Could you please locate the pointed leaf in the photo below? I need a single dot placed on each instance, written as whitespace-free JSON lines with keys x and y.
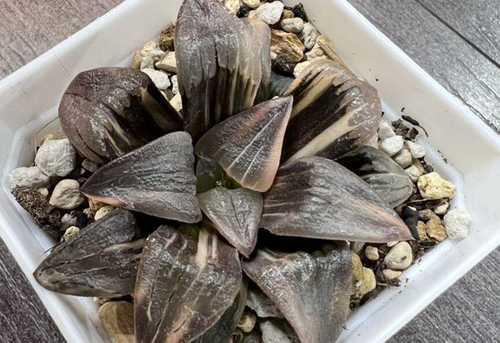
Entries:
{"x":105,"y":113}
{"x":221,"y":62}
{"x":318,"y":198}
{"x":248,"y":145}
{"x":156,"y":179}
{"x":101,"y":261}
{"x":312,"y":291}
{"x":235,"y":213}
{"x":184,"y":285}
{"x":334,"y":112}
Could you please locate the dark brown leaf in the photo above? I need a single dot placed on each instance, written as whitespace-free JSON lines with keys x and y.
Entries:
{"x":107,"y":112}
{"x":100,"y":262}
{"x":312,"y":291}
{"x":248,"y":145}
{"x":318,"y":198}
{"x":334,"y":112}
{"x":156,"y":179}
{"x":235,"y":213}
{"x":185,"y":283}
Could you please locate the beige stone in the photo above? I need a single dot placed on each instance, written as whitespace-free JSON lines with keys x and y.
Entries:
{"x":433,"y":186}
{"x":168,"y":63}
{"x":287,"y":46}
{"x":371,"y":253}
{"x":247,"y":322}
{"x":400,"y":257}
{"x":391,"y":275}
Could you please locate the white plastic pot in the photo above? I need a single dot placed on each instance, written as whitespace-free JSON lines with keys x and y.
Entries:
{"x":30,"y":96}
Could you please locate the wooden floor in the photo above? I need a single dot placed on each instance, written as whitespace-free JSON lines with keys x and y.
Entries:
{"x":457,"y":42}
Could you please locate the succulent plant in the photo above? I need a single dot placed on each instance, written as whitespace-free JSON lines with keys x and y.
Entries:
{"x":256,"y":215}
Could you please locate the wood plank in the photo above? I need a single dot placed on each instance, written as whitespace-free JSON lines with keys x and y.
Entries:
{"x":467,"y":313}
{"x":28,"y":28}
{"x":477,"y":21}
{"x":23,"y":318}
{"x":458,"y":66}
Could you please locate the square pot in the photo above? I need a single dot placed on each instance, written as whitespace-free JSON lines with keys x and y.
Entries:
{"x":30,"y":96}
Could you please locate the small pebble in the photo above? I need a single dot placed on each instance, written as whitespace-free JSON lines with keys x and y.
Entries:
{"x":56,"y":157}
{"x":435,"y":229}
{"x":357,"y":246}
{"x":27,"y":177}
{"x":270,"y":12}
{"x":385,"y":130}
{"x":89,"y":165}
{"x":403,"y":158}
{"x":315,"y":53}
{"x":426,"y":214}
{"x":369,"y":282}
{"x":70,"y":233}
{"x":103,"y":211}
{"x":176,"y":102}
{"x":159,"y":78}
{"x":88,"y":212}
{"x":300,"y":67}
{"x":287,"y":46}
{"x":357,"y":268}
{"x":136,"y":60}
{"x":147,"y":62}
{"x":287,"y":14}
{"x":416,"y":150}
{"x":166,"y":41}
{"x":43,"y":191}
{"x":294,"y":25}
{"x":117,"y":318}
{"x":175,"y":84}
{"x":251,"y":3}
{"x":433,"y":186}
{"x":68,"y":220}
{"x":392,"y":145}
{"x":148,"y":48}
{"x":414,"y":172}
{"x":442,"y":208}
{"x":168,"y":63}
{"x":247,"y":322}
{"x":457,"y":223}
{"x":391,"y":243}
{"x":233,"y":6}
{"x":309,"y":35}
{"x":399,"y":257}
{"x":66,"y":195}
{"x":390,"y":274}
{"x":422,"y":231}
{"x":371,"y":253}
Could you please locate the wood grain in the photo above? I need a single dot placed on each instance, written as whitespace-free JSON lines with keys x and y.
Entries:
{"x":457,"y":42}
{"x":477,"y":22}
{"x":23,"y":317}
{"x":454,"y":63}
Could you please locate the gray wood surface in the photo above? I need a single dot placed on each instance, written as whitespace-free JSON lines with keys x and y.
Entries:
{"x":23,"y":318}
{"x":457,"y":42}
